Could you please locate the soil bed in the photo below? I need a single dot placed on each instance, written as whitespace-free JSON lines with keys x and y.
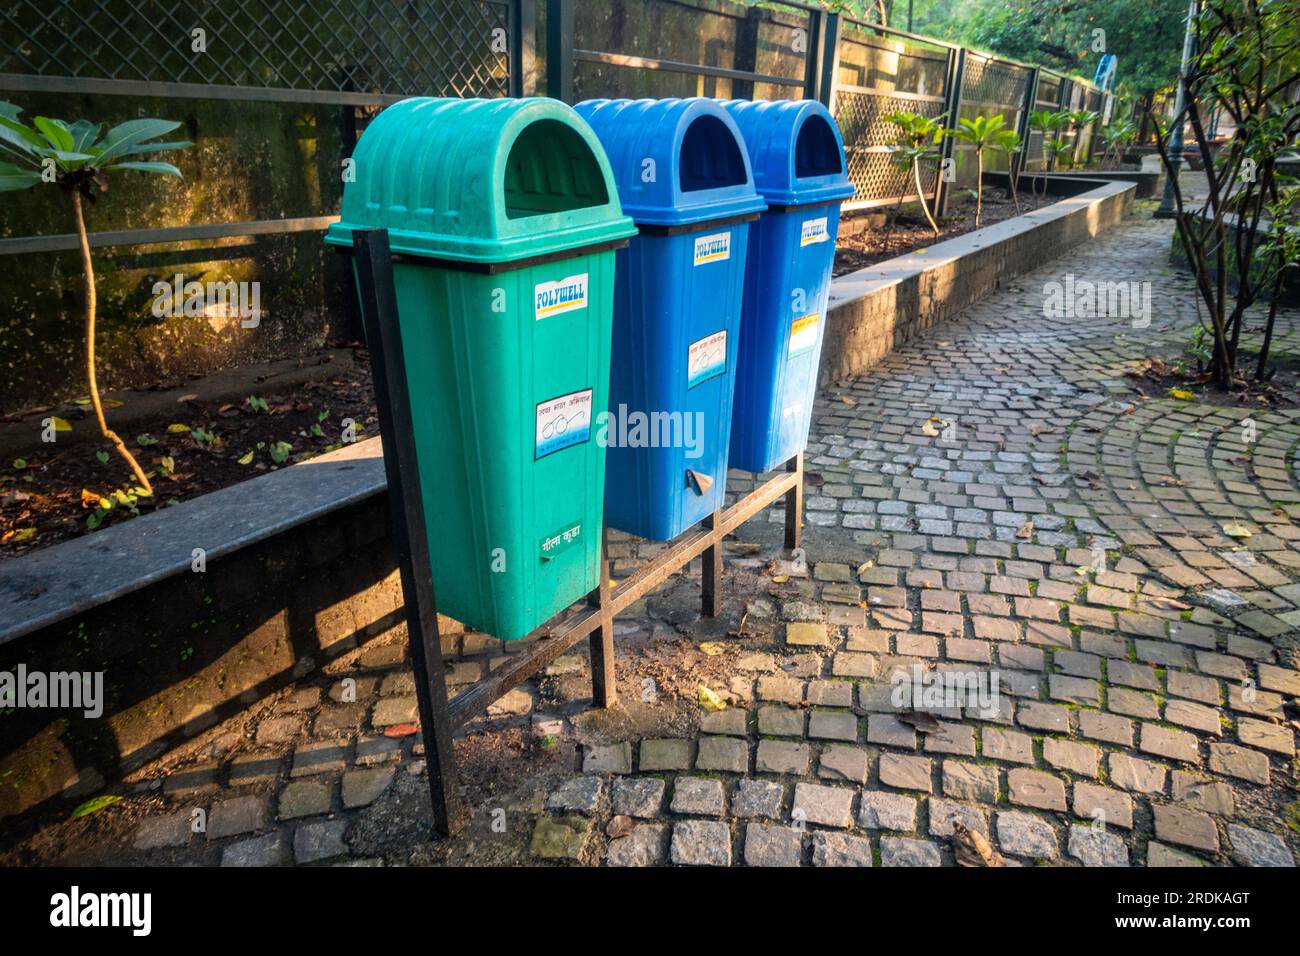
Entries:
{"x":912,"y":232}
{"x":49,"y":493}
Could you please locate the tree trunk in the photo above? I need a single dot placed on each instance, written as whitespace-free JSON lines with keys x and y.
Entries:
{"x":920,"y":194}
{"x":89,"y":270}
{"x":979,"y":186}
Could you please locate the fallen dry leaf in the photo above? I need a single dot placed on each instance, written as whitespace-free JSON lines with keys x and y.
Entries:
{"x":921,"y":721}
{"x":972,"y":848}
{"x":709,"y":700}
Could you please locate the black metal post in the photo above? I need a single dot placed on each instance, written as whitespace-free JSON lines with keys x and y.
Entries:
{"x":523,"y":48}
{"x":1024,"y":130}
{"x":830,"y":61}
{"x":559,"y":50}
{"x":794,"y":504}
{"x":746,"y":57}
{"x":1168,"y":208}
{"x":604,"y":685}
{"x":711,"y":570}
{"x":378,"y":297}
{"x":812,"y":64}
{"x":950,"y":123}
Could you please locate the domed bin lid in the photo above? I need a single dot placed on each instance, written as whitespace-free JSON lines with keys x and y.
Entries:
{"x":676,"y":161}
{"x":813,"y":170}
{"x":481,"y":181}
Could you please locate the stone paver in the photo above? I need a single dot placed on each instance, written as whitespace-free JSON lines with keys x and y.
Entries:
{"x":701,"y":843}
{"x":772,"y":846}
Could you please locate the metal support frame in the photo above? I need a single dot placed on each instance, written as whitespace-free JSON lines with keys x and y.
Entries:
{"x":439,"y":717}
{"x":401,"y":468}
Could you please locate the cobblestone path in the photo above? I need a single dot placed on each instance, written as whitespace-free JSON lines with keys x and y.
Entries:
{"x":997,"y":500}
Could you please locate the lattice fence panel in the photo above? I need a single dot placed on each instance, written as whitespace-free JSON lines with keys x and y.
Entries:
{"x":879,"y":75}
{"x":989,"y":88}
{"x":398,"y":47}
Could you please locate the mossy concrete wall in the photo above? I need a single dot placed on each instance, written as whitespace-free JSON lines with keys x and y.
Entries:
{"x":250,"y":161}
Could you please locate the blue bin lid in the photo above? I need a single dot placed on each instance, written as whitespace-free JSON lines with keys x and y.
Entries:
{"x":700,"y":168}
{"x":796,"y":149}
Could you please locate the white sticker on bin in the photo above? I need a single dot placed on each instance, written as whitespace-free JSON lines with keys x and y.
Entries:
{"x":563,"y":295}
{"x":803,"y":334}
{"x":712,"y":248}
{"x":706,"y":358}
{"x":562,"y":422}
{"x":814,"y":230}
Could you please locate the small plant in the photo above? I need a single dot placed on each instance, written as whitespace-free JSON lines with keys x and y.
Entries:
{"x":1049,"y":124}
{"x":1061,"y":154}
{"x":981,"y":133}
{"x":917,"y":141}
{"x":1202,"y":345}
{"x":1009,"y":142}
{"x":78,"y":157}
{"x":1116,"y":138}
{"x":280,"y":452}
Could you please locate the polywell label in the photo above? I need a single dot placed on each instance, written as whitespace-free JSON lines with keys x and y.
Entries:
{"x":706,"y":358}
{"x":562,"y":422}
{"x":813,"y":231}
{"x":714,"y":248}
{"x":803,"y":335}
{"x":563,"y":295}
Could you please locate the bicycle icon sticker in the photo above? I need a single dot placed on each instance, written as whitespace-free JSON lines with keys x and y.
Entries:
{"x":706,"y":358}
{"x":563,"y":422}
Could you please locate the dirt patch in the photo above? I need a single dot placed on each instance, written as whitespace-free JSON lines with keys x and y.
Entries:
{"x":51,"y":492}
{"x":911,"y":231}
{"x":1182,"y":378}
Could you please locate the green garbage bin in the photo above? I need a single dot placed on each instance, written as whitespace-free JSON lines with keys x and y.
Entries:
{"x":503,"y":218}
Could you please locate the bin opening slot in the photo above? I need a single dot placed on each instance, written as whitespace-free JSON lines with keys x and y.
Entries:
{"x":815,"y":150}
{"x":551,"y":169}
{"x":710,"y":157}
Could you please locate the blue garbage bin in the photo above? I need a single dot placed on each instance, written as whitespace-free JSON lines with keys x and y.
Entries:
{"x":798,"y":161}
{"x":682,"y":175}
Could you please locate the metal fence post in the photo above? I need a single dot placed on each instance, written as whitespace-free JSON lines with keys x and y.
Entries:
{"x":830,"y":61}
{"x":1095,"y":134}
{"x":1025,"y":131}
{"x":812,"y":70}
{"x":559,"y":50}
{"x":747,"y":52}
{"x":523,"y":48}
{"x":953,"y":96}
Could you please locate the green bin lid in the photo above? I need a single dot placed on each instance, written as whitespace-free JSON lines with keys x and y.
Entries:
{"x":481,"y":181}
